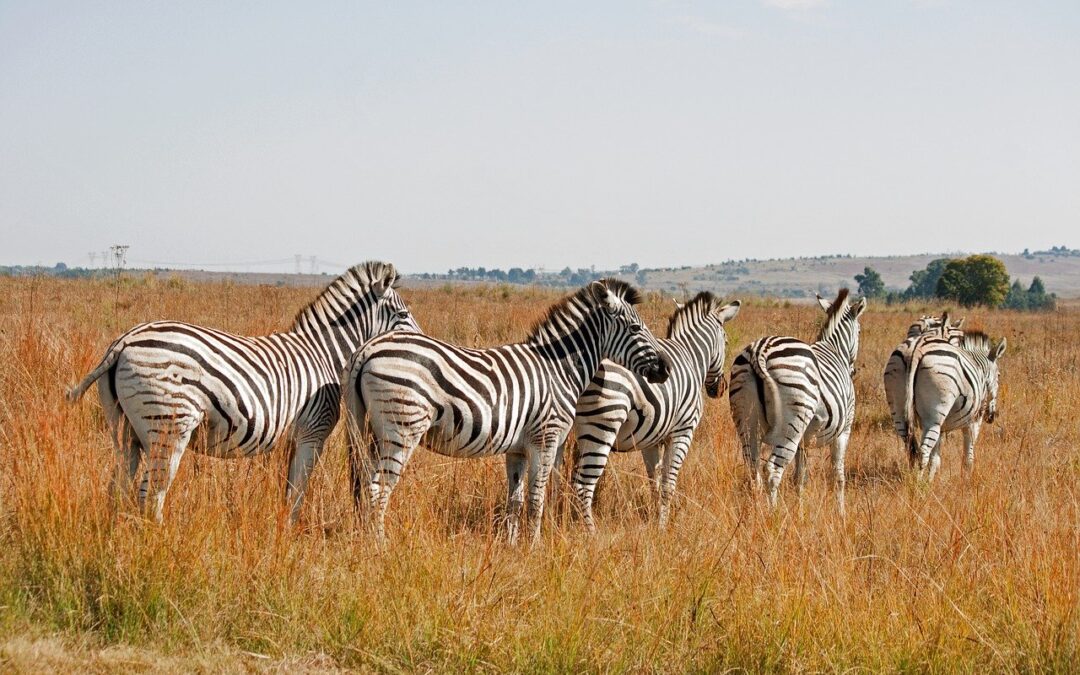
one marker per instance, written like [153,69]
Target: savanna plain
[966,574]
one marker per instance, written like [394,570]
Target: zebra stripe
[621,411]
[895,376]
[165,380]
[517,400]
[790,393]
[950,387]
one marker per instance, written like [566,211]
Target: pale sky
[443,134]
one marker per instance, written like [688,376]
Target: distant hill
[787,278]
[801,277]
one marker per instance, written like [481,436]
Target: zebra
[896,368]
[621,411]
[163,380]
[787,393]
[516,400]
[950,386]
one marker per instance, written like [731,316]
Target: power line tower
[118,254]
[299,259]
[313,265]
[93,258]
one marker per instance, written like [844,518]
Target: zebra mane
[343,292]
[976,342]
[703,299]
[834,315]
[583,297]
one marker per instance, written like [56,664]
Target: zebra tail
[75,392]
[909,400]
[356,427]
[767,385]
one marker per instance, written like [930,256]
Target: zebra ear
[996,354]
[729,311]
[959,323]
[678,305]
[825,304]
[384,283]
[605,297]
[859,308]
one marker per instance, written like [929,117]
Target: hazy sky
[558,133]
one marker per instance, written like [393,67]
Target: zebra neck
[574,354]
[333,344]
[838,344]
[699,341]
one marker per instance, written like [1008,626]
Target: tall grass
[972,575]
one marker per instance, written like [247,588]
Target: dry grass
[959,576]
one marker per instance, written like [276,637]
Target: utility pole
[299,258]
[119,257]
[313,264]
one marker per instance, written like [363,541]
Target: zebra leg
[782,453]
[801,472]
[128,449]
[541,460]
[305,456]
[593,452]
[650,456]
[166,449]
[515,494]
[931,440]
[394,454]
[971,434]
[129,452]
[674,455]
[935,459]
[839,451]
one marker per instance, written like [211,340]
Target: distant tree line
[974,280]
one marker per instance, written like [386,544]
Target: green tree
[975,280]
[870,283]
[924,282]
[1038,298]
[1017,297]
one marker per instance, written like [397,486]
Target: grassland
[963,575]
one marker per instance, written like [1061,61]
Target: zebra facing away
[164,380]
[896,369]
[621,411]
[950,387]
[788,393]
[517,400]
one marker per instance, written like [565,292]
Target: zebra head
[841,327]
[992,381]
[700,322]
[625,339]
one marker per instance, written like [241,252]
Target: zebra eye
[635,328]
[402,314]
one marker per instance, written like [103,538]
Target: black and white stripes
[786,393]
[517,400]
[950,386]
[621,411]
[165,380]
[895,376]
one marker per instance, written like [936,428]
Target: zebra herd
[589,366]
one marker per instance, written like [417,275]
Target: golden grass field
[961,575]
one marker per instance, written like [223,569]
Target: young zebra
[950,387]
[788,393]
[165,379]
[621,411]
[516,400]
[896,369]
